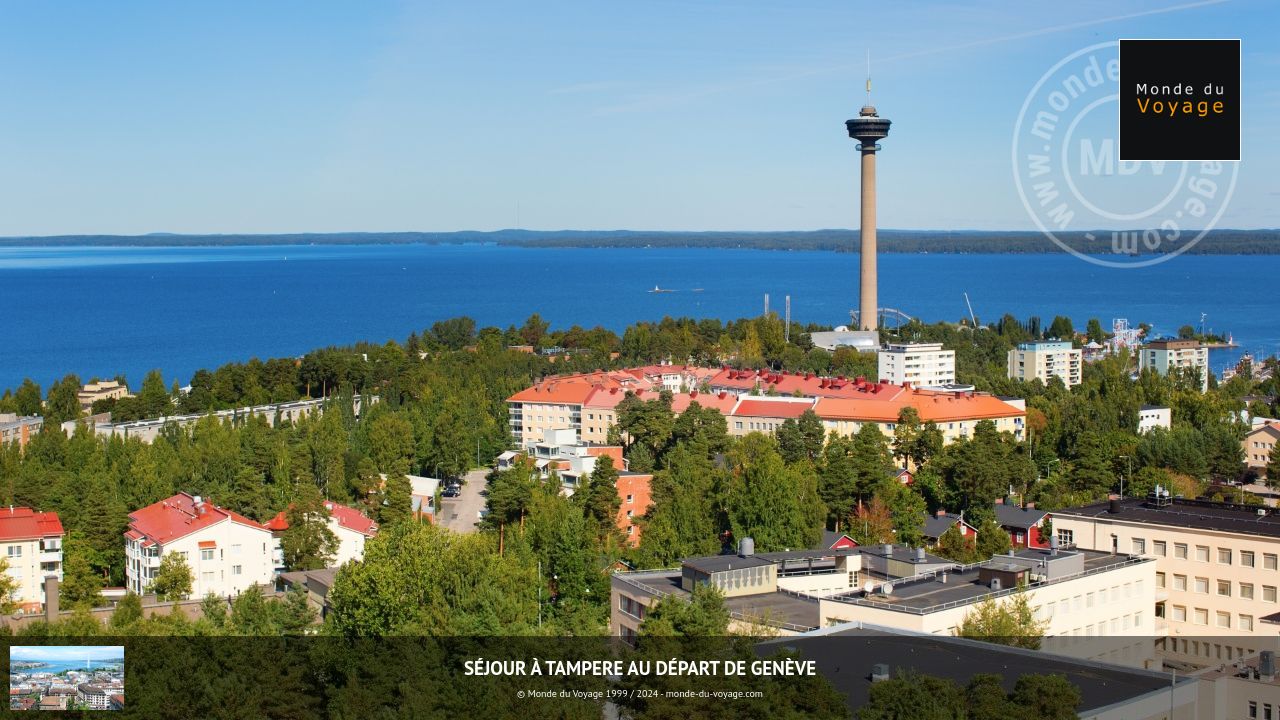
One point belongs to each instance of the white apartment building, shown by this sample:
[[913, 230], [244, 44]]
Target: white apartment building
[[32, 546], [1046, 360], [920, 364], [1164, 355], [227, 552], [349, 525], [1217, 569], [1151, 417]]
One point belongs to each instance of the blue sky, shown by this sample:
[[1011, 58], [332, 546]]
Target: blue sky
[[321, 116], [65, 653]]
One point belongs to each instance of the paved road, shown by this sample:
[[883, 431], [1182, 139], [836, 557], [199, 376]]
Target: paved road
[[461, 513]]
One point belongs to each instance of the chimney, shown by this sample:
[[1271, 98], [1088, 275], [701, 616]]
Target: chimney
[[51, 598], [919, 554], [941, 512], [1113, 506], [746, 547], [999, 501], [1031, 506], [888, 548]]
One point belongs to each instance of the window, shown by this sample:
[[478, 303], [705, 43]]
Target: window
[[1139, 546], [1224, 588], [1201, 616], [1268, 593], [1224, 620], [1202, 585], [1066, 537], [1268, 561], [1224, 556], [1246, 558], [1253, 710], [1246, 591], [206, 554], [1179, 582], [235, 550], [15, 551], [1159, 579], [1180, 551], [1179, 614], [630, 499], [236, 569], [206, 577], [1246, 622], [1202, 553], [1159, 548]]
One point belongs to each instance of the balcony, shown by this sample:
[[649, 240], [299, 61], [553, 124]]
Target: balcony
[[152, 561], [51, 556]]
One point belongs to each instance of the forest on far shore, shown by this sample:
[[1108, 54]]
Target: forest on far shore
[[1216, 242]]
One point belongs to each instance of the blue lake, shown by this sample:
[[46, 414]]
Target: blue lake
[[103, 311]]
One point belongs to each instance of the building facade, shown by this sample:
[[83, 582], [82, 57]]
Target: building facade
[[1258, 445], [1151, 417], [101, 390], [1187, 355], [917, 364], [16, 428], [227, 552], [1046, 360], [1217, 568], [32, 543]]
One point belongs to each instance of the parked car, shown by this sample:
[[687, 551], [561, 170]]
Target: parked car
[[451, 491]]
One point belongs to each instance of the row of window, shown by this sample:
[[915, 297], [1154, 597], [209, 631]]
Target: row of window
[[1066, 606], [1225, 556], [1113, 627], [1200, 616], [1244, 590]]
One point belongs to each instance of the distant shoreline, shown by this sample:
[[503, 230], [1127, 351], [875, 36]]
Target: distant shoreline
[[1216, 242]]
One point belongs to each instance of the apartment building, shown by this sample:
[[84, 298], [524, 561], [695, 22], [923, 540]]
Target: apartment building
[[1046, 360], [16, 428], [765, 414], [917, 364], [1258, 446], [101, 390], [1217, 568], [227, 552], [955, 414], [349, 525], [292, 412], [635, 490], [32, 543], [1165, 355]]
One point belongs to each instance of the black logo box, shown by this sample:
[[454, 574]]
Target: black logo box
[[1187, 69]]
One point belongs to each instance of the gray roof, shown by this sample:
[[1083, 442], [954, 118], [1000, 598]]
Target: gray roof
[[722, 563], [770, 608], [1014, 516], [935, 526], [1197, 514], [845, 657]]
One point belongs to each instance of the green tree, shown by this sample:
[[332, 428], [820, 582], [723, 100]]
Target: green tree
[[801, 438], [27, 399], [1094, 331], [390, 437], [173, 578], [214, 609], [762, 502], [63, 402], [954, 546], [1009, 620], [911, 696], [8, 587], [600, 499], [397, 497], [702, 615], [128, 612], [307, 542], [81, 586], [1273, 467], [1046, 697], [906, 433]]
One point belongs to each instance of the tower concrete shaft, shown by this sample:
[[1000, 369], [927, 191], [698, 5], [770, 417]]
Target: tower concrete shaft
[[868, 297], [867, 128]]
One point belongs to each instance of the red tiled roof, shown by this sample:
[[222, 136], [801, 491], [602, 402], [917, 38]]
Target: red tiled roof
[[178, 516], [807, 384], [23, 523], [347, 517]]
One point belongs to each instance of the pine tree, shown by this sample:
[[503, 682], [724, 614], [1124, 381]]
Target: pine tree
[[397, 497], [308, 543], [600, 499]]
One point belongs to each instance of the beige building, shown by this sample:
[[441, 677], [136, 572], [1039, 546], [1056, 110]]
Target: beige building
[[1217, 569], [917, 364], [148, 430], [32, 546], [102, 390], [955, 414], [1258, 446], [1046, 360], [16, 428], [1165, 355]]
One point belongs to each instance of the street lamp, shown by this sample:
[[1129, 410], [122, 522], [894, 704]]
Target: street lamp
[[1130, 464]]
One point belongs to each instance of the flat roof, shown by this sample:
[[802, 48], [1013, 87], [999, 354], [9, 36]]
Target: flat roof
[[723, 563], [928, 594], [845, 655], [768, 608], [1185, 513]]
